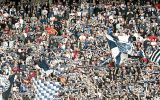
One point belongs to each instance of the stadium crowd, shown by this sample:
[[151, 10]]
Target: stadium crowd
[[67, 43]]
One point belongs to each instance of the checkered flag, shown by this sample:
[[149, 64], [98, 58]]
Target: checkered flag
[[45, 90]]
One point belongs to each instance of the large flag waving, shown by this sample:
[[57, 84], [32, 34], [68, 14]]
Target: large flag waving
[[117, 48], [116, 54], [155, 57]]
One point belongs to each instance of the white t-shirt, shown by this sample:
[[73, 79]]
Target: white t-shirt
[[25, 34], [21, 21], [1, 18], [55, 12], [12, 10], [1, 10], [11, 44], [44, 12], [82, 38], [90, 38], [138, 36], [52, 18], [111, 17], [17, 25], [78, 13], [5, 44]]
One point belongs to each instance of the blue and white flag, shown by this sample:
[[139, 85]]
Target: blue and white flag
[[117, 48], [110, 31], [124, 47], [116, 54]]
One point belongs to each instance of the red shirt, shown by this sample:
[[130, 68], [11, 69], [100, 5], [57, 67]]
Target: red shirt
[[6, 31], [152, 38], [70, 97], [27, 29], [75, 54], [157, 6]]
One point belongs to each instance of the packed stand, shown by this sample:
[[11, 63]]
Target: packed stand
[[70, 42]]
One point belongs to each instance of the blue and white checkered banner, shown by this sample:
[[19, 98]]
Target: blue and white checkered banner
[[45, 90]]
